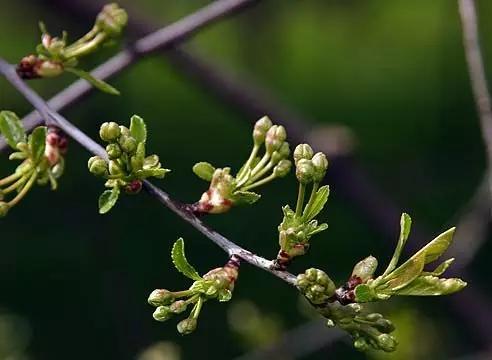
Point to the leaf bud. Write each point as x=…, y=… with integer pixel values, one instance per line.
x=4, y=208
x=365, y=269
x=282, y=168
x=160, y=297
x=112, y=19
x=113, y=151
x=260, y=130
x=109, y=131
x=305, y=171
x=275, y=137
x=128, y=144
x=162, y=313
x=320, y=163
x=303, y=151
x=187, y=326
x=98, y=166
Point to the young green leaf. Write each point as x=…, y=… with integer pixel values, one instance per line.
x=364, y=293
x=224, y=295
x=318, y=203
x=37, y=143
x=180, y=262
x=438, y=246
x=101, y=85
x=158, y=173
x=108, y=199
x=11, y=128
x=138, y=129
x=403, y=275
x=405, y=225
x=440, y=269
x=245, y=197
x=204, y=170
x=429, y=285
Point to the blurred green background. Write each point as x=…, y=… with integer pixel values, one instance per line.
x=74, y=285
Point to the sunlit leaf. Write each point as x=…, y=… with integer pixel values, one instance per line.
x=11, y=128
x=180, y=262
x=403, y=275
x=101, y=85
x=138, y=129
x=440, y=269
x=108, y=199
x=428, y=285
x=245, y=197
x=405, y=225
x=37, y=143
x=318, y=203
x=204, y=170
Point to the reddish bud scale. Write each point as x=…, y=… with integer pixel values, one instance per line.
x=25, y=69
x=134, y=187
x=346, y=294
x=210, y=204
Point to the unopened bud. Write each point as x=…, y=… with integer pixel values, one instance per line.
x=112, y=19
x=125, y=131
x=281, y=153
x=260, y=130
x=305, y=171
x=320, y=163
x=187, y=326
x=387, y=342
x=384, y=325
x=303, y=151
x=109, y=132
x=136, y=163
x=160, y=297
x=275, y=137
x=162, y=313
x=113, y=151
x=315, y=285
x=282, y=168
x=178, y=307
x=128, y=144
x=4, y=208
x=114, y=168
x=98, y=166
x=48, y=68
x=365, y=269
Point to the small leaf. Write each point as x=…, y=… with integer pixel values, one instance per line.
x=204, y=170
x=405, y=225
x=438, y=246
x=11, y=128
x=429, y=285
x=224, y=295
x=180, y=262
x=245, y=197
x=440, y=269
x=108, y=199
x=364, y=293
x=37, y=143
x=403, y=275
x=101, y=85
x=158, y=173
x=318, y=203
x=138, y=129
x=151, y=162
x=318, y=229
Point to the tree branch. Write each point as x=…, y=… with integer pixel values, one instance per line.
x=158, y=40
x=181, y=210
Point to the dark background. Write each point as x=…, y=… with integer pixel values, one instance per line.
x=389, y=77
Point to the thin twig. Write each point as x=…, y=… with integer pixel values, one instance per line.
x=158, y=40
x=228, y=246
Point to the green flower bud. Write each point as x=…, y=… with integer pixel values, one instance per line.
x=305, y=171
x=303, y=151
x=282, y=168
x=365, y=269
x=260, y=130
x=320, y=163
x=112, y=19
x=387, y=342
x=4, y=208
x=136, y=163
x=125, y=131
x=315, y=285
x=151, y=162
x=178, y=307
x=275, y=137
x=281, y=153
x=160, y=297
x=109, y=132
x=113, y=151
x=384, y=325
x=114, y=168
x=361, y=344
x=98, y=166
x=374, y=317
x=49, y=68
x=162, y=313
x=128, y=144
x=187, y=326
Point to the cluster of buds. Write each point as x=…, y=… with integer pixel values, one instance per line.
x=41, y=155
x=298, y=226
x=216, y=284
x=367, y=330
x=128, y=164
x=226, y=190
x=54, y=56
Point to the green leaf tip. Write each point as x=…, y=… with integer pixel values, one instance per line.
x=11, y=128
x=101, y=85
x=138, y=129
x=181, y=263
x=108, y=199
x=204, y=170
x=37, y=143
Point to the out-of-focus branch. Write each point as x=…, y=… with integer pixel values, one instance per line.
x=157, y=40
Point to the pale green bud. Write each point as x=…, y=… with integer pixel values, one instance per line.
x=109, y=131
x=315, y=285
x=187, y=326
x=4, y=208
x=113, y=151
x=305, y=171
x=114, y=168
x=49, y=68
x=128, y=144
x=136, y=163
x=275, y=137
x=282, y=168
x=112, y=19
x=303, y=151
x=162, y=313
x=178, y=307
x=365, y=269
x=160, y=297
x=260, y=130
x=97, y=166
x=125, y=131
x=320, y=163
